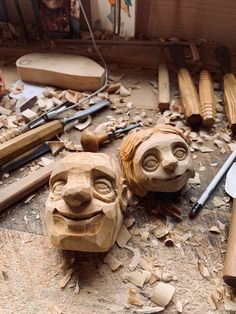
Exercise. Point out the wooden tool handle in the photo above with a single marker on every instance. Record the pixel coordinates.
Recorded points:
(207, 99)
(18, 190)
(24, 142)
(230, 99)
(90, 141)
(229, 274)
(189, 98)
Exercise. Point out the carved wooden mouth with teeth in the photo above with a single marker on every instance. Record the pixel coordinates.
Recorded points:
(76, 217)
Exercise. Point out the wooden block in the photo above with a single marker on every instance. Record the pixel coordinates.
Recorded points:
(163, 87)
(18, 190)
(61, 70)
(28, 115)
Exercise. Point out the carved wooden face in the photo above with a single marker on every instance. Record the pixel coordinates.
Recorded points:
(162, 163)
(53, 4)
(85, 204)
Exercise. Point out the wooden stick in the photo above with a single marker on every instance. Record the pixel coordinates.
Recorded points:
(18, 190)
(230, 99)
(163, 86)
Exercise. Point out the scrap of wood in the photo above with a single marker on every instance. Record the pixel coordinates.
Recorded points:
(123, 237)
(64, 281)
(133, 298)
(113, 262)
(18, 190)
(163, 87)
(137, 278)
(162, 294)
(149, 310)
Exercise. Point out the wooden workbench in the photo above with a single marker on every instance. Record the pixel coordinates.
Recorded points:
(30, 271)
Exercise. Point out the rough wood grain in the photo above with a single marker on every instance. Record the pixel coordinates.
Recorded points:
(189, 97)
(61, 70)
(230, 99)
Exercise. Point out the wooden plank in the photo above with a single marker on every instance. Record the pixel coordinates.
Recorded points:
(163, 86)
(18, 190)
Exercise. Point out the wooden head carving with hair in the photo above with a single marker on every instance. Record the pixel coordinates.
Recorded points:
(84, 209)
(156, 159)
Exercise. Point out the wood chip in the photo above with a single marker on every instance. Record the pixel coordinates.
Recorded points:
(133, 298)
(44, 161)
(218, 143)
(214, 229)
(212, 300)
(29, 199)
(203, 270)
(137, 278)
(123, 237)
(149, 310)
(113, 262)
(232, 146)
(144, 265)
(124, 92)
(195, 180)
(218, 202)
(179, 306)
(160, 230)
(162, 294)
(64, 281)
(28, 115)
(83, 125)
(225, 137)
(55, 146)
(77, 287)
(135, 260)
(55, 309)
(5, 111)
(128, 222)
(205, 149)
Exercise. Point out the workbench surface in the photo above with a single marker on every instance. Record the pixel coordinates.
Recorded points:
(31, 268)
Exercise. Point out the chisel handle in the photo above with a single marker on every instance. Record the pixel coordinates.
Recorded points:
(230, 99)
(26, 141)
(229, 273)
(189, 98)
(207, 99)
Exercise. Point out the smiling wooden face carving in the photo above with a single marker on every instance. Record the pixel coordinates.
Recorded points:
(85, 203)
(157, 160)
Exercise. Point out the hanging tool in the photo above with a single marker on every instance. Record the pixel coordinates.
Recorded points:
(163, 85)
(90, 141)
(223, 57)
(229, 273)
(188, 93)
(26, 141)
(206, 93)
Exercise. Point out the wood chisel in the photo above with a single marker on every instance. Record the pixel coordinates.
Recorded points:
(188, 93)
(26, 141)
(223, 57)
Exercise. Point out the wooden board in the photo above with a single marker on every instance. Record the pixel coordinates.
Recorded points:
(61, 70)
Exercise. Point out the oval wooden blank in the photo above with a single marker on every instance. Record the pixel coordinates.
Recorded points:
(61, 70)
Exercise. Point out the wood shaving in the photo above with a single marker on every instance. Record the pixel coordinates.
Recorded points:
(133, 298)
(135, 260)
(144, 235)
(179, 306)
(29, 199)
(195, 180)
(113, 262)
(160, 230)
(202, 169)
(144, 265)
(212, 300)
(77, 287)
(225, 137)
(162, 294)
(83, 125)
(55, 146)
(218, 202)
(203, 270)
(149, 310)
(44, 161)
(218, 143)
(232, 146)
(123, 237)
(128, 222)
(137, 278)
(124, 92)
(205, 149)
(215, 229)
(64, 281)
(55, 309)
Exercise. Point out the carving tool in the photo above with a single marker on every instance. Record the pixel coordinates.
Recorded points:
(163, 85)
(223, 57)
(206, 94)
(26, 141)
(206, 194)
(90, 141)
(188, 93)
(229, 273)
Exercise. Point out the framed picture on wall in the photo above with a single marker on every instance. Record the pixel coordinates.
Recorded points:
(53, 17)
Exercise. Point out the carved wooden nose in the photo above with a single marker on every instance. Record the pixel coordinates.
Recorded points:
(169, 164)
(77, 195)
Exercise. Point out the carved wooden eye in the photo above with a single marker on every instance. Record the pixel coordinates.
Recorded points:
(180, 153)
(103, 186)
(57, 187)
(150, 163)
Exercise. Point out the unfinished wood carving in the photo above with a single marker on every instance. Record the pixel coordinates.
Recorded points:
(156, 159)
(61, 70)
(85, 204)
